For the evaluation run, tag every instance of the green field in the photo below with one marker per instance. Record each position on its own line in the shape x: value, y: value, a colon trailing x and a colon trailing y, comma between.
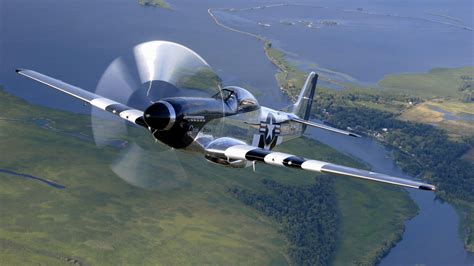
x: 438, y: 82
x: 100, y: 219
x: 431, y: 112
x: 372, y: 215
x: 368, y: 237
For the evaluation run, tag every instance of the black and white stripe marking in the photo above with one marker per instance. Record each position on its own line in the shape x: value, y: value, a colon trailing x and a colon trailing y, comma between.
x: 250, y: 153
x: 125, y: 112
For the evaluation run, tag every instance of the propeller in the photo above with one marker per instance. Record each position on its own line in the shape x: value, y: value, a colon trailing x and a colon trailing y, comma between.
x: 150, y: 72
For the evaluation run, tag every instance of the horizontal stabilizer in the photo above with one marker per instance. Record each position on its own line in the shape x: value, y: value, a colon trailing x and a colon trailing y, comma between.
x: 321, y: 126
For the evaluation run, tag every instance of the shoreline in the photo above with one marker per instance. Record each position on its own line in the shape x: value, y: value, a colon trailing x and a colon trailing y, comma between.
x: 288, y: 88
x: 287, y: 77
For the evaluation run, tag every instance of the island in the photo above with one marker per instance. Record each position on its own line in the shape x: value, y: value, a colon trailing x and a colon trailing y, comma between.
x: 158, y: 3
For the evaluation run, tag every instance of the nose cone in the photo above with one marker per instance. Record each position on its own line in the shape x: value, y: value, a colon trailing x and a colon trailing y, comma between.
x: 161, y: 115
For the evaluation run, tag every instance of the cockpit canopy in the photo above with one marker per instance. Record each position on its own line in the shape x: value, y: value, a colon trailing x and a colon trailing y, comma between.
x: 239, y: 99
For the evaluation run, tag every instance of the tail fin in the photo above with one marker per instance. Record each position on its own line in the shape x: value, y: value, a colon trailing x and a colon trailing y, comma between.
x: 302, y: 106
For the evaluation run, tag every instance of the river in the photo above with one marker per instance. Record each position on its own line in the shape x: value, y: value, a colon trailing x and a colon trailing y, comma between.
x: 45, y: 181
x: 76, y: 40
x: 431, y: 237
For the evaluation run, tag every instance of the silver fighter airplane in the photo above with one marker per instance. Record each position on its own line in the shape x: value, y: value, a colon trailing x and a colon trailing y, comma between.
x: 251, y: 131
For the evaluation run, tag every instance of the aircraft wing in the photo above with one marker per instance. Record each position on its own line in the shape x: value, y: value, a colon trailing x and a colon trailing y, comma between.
x: 133, y: 115
x: 250, y: 153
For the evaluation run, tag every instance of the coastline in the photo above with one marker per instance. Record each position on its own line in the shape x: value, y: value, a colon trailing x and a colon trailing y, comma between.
x: 290, y: 80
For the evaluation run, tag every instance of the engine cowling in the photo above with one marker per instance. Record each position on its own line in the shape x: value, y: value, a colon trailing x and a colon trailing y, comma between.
x: 177, y: 121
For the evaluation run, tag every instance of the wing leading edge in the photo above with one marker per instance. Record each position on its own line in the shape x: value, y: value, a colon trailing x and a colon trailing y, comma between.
x: 250, y: 153
x: 133, y: 115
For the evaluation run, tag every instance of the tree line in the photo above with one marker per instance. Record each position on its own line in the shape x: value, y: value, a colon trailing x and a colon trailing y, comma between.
x: 418, y: 148
x: 308, y: 215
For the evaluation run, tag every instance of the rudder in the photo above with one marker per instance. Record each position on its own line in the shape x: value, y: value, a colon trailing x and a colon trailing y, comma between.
x: 302, y: 106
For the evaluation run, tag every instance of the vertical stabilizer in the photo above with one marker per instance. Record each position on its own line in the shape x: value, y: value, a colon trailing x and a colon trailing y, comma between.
x: 302, y: 106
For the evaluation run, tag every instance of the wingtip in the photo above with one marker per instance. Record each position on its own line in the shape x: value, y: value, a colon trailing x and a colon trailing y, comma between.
x: 354, y: 135
x: 18, y: 70
x: 427, y: 187
x: 314, y: 74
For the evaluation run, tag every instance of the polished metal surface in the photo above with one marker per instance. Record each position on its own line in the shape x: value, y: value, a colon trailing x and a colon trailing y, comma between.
x: 348, y: 171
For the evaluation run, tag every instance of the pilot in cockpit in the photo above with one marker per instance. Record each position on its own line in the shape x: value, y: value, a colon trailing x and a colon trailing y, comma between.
x: 239, y: 99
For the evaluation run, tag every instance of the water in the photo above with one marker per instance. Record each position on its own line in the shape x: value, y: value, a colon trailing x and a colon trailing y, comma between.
x: 432, y: 237
x: 76, y: 40
x: 366, y: 45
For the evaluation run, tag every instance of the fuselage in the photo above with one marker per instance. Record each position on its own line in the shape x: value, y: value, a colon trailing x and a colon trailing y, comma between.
x: 192, y: 123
